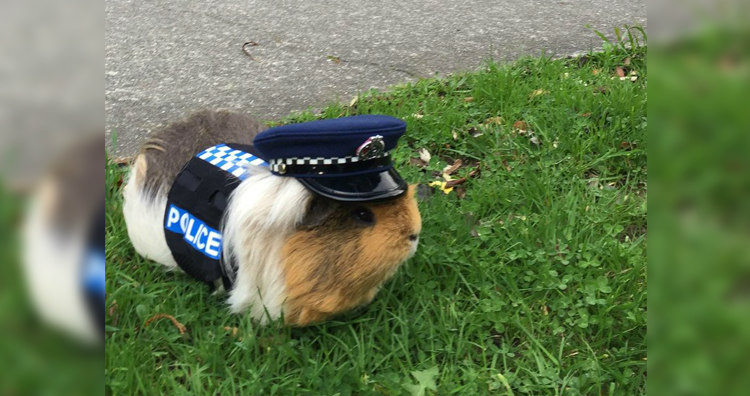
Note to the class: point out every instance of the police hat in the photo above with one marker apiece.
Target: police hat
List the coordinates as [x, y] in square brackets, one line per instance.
[345, 159]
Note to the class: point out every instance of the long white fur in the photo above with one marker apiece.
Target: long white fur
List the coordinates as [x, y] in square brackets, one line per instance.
[144, 217]
[262, 213]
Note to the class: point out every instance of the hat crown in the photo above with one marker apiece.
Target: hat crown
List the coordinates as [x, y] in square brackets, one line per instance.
[331, 138]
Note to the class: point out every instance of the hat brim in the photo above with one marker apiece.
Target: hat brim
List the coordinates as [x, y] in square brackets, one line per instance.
[378, 186]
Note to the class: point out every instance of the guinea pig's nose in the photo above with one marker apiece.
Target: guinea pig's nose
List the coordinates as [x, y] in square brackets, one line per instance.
[413, 237]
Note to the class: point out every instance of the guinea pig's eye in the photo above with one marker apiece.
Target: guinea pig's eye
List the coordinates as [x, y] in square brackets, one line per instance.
[364, 215]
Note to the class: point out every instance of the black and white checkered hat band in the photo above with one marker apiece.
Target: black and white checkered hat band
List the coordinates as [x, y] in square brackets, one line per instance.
[283, 165]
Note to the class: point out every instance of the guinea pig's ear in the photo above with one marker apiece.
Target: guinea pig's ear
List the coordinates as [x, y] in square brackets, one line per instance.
[318, 211]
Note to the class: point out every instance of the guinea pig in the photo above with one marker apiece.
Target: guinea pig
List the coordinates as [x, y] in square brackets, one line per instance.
[298, 255]
[62, 242]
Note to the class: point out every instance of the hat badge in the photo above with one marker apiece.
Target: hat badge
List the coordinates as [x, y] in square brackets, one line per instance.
[373, 147]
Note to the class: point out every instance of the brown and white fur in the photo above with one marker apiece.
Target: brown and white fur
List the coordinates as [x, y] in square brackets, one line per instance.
[299, 255]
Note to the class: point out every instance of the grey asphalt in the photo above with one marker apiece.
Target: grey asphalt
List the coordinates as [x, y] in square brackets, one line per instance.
[165, 59]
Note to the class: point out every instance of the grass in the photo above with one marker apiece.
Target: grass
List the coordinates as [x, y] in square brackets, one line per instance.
[530, 279]
[699, 261]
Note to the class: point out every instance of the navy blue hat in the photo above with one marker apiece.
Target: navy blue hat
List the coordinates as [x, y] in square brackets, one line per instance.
[346, 159]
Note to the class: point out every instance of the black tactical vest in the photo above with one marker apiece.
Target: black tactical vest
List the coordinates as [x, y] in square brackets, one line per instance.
[195, 208]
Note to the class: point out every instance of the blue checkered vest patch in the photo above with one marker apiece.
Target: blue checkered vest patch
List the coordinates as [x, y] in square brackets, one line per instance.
[195, 208]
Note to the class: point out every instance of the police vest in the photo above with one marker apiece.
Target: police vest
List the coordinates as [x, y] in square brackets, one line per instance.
[196, 204]
[93, 272]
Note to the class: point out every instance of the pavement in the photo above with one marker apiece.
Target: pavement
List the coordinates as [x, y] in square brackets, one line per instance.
[165, 59]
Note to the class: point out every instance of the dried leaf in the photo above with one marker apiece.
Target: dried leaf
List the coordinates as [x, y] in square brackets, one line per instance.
[620, 72]
[424, 155]
[232, 330]
[469, 99]
[627, 61]
[334, 59]
[112, 308]
[354, 101]
[418, 162]
[112, 313]
[595, 72]
[728, 62]
[460, 192]
[507, 167]
[476, 172]
[448, 170]
[586, 114]
[538, 92]
[520, 125]
[455, 135]
[493, 120]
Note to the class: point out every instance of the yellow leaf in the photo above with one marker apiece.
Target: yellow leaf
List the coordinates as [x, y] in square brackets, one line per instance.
[442, 186]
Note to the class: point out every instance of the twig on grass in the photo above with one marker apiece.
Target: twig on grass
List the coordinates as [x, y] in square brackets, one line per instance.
[182, 329]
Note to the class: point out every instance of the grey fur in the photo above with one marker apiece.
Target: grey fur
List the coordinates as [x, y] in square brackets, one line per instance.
[77, 181]
[168, 149]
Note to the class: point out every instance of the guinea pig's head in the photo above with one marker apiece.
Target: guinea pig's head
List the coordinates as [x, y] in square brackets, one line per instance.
[341, 253]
